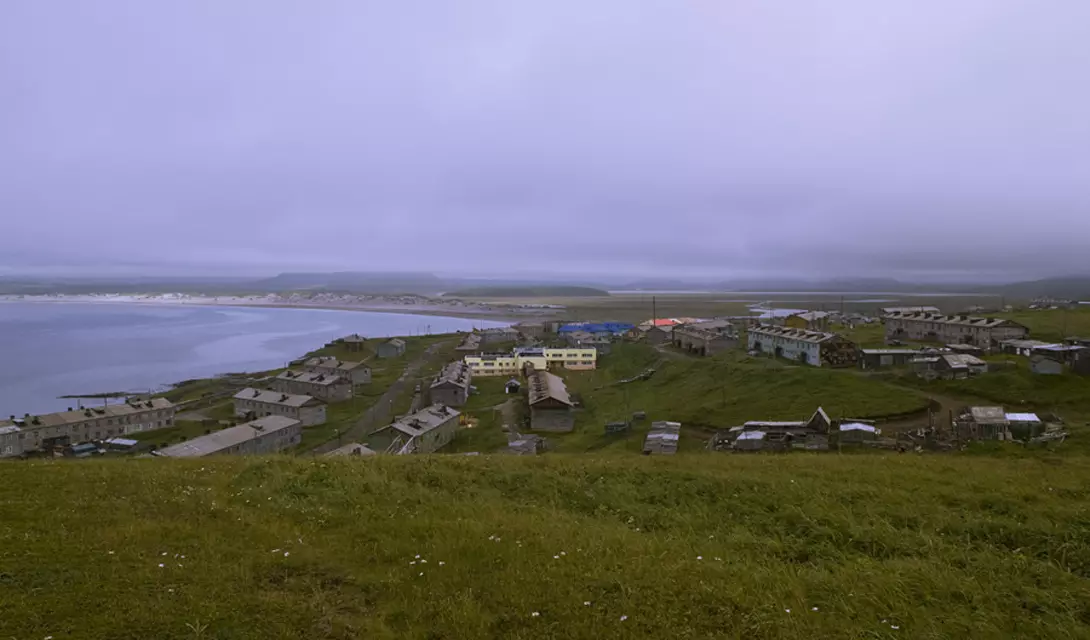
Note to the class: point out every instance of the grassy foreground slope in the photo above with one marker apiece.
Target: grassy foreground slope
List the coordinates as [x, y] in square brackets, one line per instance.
[557, 546]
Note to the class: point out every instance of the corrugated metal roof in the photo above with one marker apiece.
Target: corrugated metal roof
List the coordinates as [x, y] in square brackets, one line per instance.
[1023, 417]
[858, 426]
[544, 385]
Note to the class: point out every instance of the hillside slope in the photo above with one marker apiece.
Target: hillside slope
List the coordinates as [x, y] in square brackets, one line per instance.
[552, 547]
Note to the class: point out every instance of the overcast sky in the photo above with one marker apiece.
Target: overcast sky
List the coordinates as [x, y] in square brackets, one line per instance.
[914, 138]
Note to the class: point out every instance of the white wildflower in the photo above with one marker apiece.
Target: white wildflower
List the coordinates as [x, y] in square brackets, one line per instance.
[586, 603]
[287, 553]
[412, 562]
[275, 551]
[700, 557]
[893, 626]
[421, 573]
[441, 563]
[623, 618]
[787, 611]
[556, 557]
[423, 562]
[563, 553]
[535, 614]
[418, 556]
[161, 565]
[814, 609]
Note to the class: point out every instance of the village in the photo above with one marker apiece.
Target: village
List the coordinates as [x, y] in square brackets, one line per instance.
[524, 390]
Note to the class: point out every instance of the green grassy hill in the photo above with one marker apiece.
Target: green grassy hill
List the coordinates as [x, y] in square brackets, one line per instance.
[798, 546]
[701, 393]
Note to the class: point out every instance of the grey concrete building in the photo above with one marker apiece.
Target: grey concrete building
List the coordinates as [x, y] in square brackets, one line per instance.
[355, 372]
[706, 338]
[47, 431]
[550, 405]
[425, 431]
[451, 386]
[889, 310]
[326, 387]
[659, 334]
[808, 347]
[392, 348]
[471, 343]
[962, 329]
[270, 434]
[257, 403]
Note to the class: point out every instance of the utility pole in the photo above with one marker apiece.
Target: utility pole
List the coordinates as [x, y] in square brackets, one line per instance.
[654, 311]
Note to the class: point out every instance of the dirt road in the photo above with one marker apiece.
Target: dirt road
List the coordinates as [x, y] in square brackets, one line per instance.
[379, 412]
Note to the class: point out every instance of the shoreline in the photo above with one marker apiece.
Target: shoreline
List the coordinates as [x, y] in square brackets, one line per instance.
[406, 309]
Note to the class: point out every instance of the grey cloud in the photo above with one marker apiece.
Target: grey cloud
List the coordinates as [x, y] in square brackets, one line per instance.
[833, 138]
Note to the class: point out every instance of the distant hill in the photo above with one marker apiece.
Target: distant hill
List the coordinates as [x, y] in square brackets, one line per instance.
[353, 281]
[528, 292]
[1076, 287]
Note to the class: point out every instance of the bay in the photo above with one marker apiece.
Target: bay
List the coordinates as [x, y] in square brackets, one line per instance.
[48, 349]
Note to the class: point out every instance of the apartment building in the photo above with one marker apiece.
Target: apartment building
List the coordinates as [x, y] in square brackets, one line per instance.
[44, 432]
[326, 387]
[808, 347]
[961, 329]
[451, 386]
[259, 403]
[270, 434]
[356, 372]
[540, 358]
[425, 431]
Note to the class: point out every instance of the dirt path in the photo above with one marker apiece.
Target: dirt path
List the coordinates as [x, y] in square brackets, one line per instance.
[380, 411]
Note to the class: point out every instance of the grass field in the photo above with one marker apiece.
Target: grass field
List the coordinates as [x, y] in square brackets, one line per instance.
[718, 392]
[1053, 324]
[1018, 389]
[882, 546]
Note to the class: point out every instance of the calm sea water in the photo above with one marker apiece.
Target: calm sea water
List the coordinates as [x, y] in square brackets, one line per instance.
[52, 349]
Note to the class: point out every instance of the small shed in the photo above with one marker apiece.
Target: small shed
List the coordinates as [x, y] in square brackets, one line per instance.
[525, 445]
[987, 422]
[878, 358]
[512, 386]
[354, 342]
[750, 441]
[855, 432]
[1046, 366]
[392, 348]
[662, 438]
[120, 444]
[616, 427]
[1024, 425]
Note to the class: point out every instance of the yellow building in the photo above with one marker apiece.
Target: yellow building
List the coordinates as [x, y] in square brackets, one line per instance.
[511, 364]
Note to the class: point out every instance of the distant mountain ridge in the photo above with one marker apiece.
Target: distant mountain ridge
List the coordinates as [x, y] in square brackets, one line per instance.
[424, 283]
